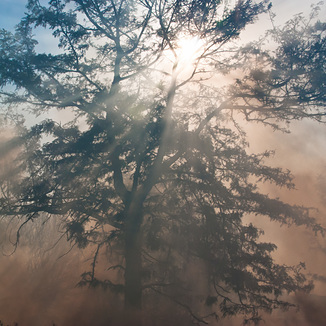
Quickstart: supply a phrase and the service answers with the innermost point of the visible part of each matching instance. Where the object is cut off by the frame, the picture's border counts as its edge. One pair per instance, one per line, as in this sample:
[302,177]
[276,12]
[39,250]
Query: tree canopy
[140,151]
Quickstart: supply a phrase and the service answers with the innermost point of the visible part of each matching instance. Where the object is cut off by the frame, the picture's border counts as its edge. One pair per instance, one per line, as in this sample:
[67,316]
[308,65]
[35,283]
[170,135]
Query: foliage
[150,167]
[291,80]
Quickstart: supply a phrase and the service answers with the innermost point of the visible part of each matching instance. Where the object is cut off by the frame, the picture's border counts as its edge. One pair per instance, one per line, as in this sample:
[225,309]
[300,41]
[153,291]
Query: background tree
[146,162]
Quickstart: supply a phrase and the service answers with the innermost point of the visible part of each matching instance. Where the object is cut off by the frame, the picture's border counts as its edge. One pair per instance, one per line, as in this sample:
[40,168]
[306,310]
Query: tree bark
[134,218]
[133,267]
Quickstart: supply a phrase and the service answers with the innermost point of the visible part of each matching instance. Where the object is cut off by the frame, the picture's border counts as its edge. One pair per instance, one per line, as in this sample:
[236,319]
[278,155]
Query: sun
[189,48]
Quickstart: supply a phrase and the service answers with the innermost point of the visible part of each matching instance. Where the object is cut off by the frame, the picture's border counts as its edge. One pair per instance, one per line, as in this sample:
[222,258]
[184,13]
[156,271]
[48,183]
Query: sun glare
[189,49]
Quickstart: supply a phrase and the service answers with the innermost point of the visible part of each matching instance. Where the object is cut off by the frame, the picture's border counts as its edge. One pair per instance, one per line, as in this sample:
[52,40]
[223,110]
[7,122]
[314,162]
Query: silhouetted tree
[146,161]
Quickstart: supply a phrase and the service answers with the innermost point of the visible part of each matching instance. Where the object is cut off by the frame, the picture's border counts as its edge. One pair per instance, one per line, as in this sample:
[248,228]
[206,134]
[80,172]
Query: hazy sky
[12,10]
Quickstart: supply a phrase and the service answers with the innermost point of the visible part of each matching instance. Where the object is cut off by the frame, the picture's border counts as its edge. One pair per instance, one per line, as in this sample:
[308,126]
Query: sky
[302,151]
[12,10]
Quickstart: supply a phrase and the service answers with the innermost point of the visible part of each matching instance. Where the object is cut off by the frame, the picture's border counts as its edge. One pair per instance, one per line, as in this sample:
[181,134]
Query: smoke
[300,151]
[313,309]
[38,285]
[310,312]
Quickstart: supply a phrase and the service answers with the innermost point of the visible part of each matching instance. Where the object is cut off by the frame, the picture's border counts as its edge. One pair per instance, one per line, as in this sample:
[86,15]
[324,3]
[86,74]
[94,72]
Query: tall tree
[150,164]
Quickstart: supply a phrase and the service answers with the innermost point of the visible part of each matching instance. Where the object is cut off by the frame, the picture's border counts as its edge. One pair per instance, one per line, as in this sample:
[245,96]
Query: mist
[129,193]
[39,281]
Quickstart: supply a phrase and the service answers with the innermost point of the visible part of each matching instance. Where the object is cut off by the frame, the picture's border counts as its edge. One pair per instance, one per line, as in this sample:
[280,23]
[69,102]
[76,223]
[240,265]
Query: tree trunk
[133,271]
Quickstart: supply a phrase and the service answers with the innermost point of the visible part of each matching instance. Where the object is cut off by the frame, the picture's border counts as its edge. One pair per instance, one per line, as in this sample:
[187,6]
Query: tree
[151,169]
